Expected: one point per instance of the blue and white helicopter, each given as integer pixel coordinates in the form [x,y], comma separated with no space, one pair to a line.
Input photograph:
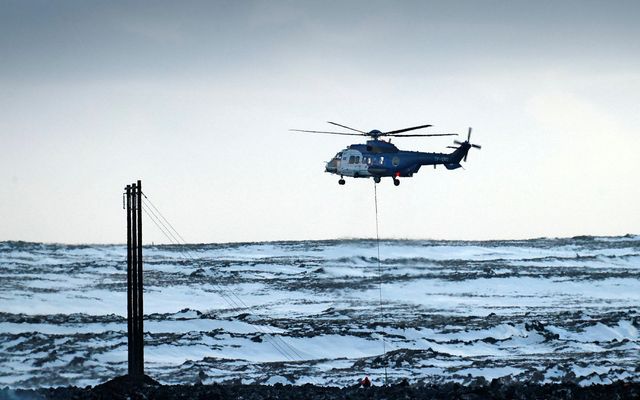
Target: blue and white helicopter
[378,158]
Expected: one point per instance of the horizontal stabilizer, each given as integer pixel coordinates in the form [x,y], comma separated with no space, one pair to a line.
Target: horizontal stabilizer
[453,166]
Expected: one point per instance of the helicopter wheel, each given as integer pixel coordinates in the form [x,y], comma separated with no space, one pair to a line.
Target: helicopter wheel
[396,181]
[341,182]
[376,179]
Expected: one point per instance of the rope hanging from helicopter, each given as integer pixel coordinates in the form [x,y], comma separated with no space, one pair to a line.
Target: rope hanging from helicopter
[287,350]
[384,344]
[378,158]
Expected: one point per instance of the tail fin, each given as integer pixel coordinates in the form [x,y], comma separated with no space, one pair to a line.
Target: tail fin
[459,154]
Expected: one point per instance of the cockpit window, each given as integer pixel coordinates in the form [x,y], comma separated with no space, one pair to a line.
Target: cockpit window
[352,159]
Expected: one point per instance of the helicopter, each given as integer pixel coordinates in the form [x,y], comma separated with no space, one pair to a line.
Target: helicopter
[378,158]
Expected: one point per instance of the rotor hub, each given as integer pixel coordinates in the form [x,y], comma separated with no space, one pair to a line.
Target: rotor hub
[375,133]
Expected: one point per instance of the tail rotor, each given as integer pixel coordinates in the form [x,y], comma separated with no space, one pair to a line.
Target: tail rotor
[466,143]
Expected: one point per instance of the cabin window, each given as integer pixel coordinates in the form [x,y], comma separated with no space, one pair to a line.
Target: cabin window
[381,160]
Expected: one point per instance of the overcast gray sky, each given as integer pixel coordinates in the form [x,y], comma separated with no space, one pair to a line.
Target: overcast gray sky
[196,99]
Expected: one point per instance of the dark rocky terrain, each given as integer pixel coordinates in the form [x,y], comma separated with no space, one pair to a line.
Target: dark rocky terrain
[123,388]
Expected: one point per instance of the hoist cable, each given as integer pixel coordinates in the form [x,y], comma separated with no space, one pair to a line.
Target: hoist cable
[384,345]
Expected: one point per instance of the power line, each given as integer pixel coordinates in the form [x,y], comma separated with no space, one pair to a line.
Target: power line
[228,296]
[155,208]
[275,340]
[161,227]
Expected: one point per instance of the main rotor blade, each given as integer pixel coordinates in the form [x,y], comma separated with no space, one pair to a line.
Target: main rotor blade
[431,134]
[328,133]
[477,146]
[344,126]
[407,129]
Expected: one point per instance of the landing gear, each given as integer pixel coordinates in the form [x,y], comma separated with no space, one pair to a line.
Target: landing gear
[376,179]
[341,181]
[396,181]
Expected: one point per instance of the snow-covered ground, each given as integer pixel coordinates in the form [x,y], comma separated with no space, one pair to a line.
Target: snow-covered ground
[298,312]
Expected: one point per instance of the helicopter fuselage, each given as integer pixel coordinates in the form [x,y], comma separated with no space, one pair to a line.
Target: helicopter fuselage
[378,158]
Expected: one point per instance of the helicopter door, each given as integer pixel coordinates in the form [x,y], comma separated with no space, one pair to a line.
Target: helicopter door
[353,164]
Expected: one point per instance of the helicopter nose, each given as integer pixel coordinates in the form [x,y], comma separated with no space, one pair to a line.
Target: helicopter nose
[331,166]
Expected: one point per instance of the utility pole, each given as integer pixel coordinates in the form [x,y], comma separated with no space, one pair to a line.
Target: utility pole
[135,313]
